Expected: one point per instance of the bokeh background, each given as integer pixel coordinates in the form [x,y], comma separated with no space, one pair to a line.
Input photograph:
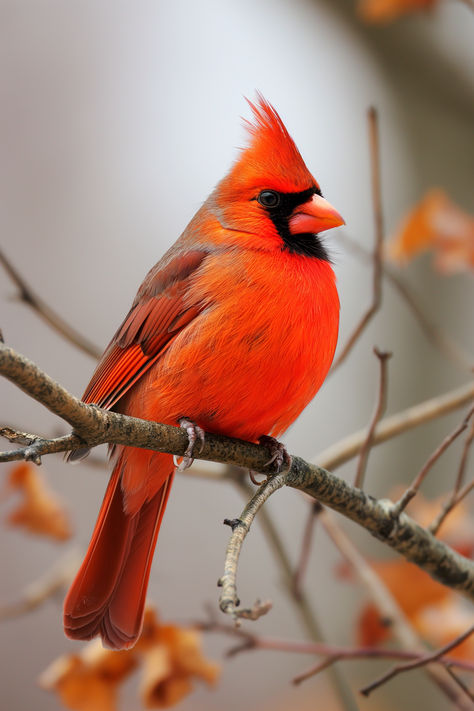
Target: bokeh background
[116,121]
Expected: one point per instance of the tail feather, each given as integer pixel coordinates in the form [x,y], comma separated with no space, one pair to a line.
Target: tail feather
[108,594]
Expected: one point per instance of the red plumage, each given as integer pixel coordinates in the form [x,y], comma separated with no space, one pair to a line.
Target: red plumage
[235,328]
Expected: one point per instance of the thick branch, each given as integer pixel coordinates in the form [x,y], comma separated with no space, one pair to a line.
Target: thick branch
[400,533]
[94,426]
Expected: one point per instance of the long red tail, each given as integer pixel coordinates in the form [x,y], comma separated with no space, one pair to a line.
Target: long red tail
[108,594]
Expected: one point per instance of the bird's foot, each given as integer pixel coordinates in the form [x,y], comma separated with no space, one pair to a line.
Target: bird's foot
[194,433]
[280,457]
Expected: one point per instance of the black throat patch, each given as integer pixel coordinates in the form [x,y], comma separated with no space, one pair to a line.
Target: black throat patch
[307,244]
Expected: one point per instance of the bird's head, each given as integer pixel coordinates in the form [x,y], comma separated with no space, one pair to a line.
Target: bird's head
[269,192]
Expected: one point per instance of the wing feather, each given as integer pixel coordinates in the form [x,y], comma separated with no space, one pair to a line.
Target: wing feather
[158,314]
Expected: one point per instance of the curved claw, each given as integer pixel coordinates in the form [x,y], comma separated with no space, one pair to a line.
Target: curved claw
[194,433]
[254,480]
[279,454]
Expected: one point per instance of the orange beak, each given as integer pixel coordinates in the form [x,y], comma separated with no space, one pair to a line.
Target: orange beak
[314,216]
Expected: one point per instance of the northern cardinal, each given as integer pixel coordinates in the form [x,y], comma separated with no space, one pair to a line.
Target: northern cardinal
[234,329]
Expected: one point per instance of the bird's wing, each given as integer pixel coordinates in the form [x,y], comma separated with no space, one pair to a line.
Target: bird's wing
[158,314]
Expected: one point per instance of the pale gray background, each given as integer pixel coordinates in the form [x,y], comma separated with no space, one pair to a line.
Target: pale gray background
[116,120]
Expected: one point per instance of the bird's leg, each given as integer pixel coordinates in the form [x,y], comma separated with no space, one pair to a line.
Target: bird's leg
[194,432]
[280,456]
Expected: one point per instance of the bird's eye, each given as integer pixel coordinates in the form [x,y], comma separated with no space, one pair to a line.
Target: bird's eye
[269,198]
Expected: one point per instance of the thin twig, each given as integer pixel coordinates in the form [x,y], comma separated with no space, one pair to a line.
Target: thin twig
[347,448]
[414,487]
[383,357]
[416,663]
[48,586]
[457,680]
[378,244]
[302,602]
[435,334]
[314,509]
[389,608]
[456,495]
[17,437]
[28,296]
[229,601]
[252,642]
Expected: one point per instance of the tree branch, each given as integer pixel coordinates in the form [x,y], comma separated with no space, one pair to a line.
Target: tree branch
[28,296]
[383,357]
[412,490]
[95,426]
[376,302]
[347,448]
[434,656]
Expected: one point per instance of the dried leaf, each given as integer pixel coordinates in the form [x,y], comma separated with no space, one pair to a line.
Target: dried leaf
[88,681]
[170,664]
[436,223]
[421,598]
[41,511]
[387,10]
[412,588]
[170,658]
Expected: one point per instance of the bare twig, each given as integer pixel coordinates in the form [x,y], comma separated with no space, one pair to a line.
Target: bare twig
[389,608]
[48,586]
[460,683]
[416,663]
[228,601]
[28,296]
[383,357]
[377,251]
[413,488]
[302,601]
[252,642]
[456,495]
[438,337]
[18,437]
[314,509]
[96,426]
[344,654]
[376,588]
[347,448]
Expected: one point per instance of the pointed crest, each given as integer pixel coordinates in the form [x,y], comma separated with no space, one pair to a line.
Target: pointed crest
[271,158]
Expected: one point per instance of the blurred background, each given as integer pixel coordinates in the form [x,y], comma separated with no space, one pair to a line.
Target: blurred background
[116,121]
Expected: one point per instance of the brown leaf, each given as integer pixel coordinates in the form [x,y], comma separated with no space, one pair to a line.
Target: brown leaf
[412,588]
[421,598]
[376,11]
[170,658]
[41,511]
[438,224]
[171,663]
[88,681]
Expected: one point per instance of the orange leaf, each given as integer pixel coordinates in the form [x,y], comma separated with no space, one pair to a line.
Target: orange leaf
[420,597]
[88,681]
[436,223]
[171,662]
[40,511]
[388,10]
[412,588]
[170,658]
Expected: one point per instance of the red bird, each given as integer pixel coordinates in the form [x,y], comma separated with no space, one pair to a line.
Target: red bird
[234,329]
